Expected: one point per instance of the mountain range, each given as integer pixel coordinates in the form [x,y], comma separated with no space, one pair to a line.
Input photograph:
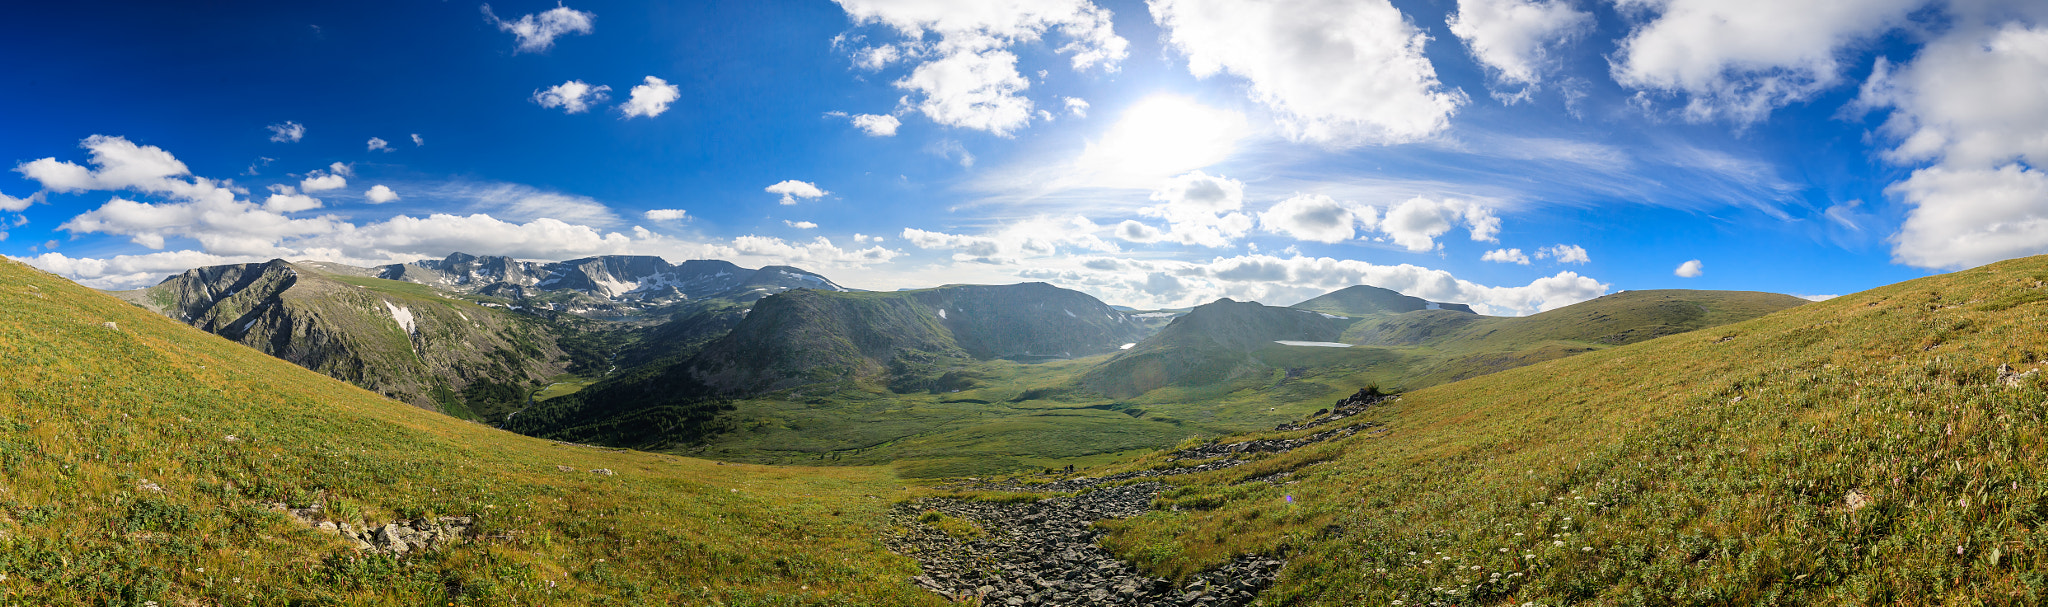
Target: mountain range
[608,285]
[1880,447]
[708,356]
[451,355]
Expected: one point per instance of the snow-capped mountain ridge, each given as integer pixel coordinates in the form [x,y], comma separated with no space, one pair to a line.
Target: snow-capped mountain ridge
[605,284]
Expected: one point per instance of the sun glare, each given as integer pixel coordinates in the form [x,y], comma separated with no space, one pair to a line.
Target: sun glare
[1159,137]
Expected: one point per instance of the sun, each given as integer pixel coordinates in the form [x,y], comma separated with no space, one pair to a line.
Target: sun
[1159,137]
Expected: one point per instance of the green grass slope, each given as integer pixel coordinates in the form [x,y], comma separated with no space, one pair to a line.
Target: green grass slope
[1887,447]
[1465,345]
[399,339]
[134,459]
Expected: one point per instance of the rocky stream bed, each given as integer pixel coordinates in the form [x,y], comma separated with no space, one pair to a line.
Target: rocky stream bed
[1044,551]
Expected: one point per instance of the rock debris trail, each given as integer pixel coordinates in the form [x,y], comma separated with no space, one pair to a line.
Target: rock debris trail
[1044,552]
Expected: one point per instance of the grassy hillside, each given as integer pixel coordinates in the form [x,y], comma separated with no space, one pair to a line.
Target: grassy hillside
[135,459]
[1886,447]
[1399,342]
[400,339]
[1460,346]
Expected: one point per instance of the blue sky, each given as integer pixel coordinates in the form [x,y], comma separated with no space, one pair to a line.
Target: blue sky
[1516,154]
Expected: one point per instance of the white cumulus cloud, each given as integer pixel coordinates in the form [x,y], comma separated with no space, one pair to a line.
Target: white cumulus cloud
[1565,253]
[574,96]
[1505,256]
[801,225]
[537,33]
[1415,223]
[1286,280]
[1201,209]
[965,74]
[1136,231]
[1689,269]
[378,143]
[1077,107]
[818,252]
[650,99]
[129,271]
[1966,217]
[666,214]
[1340,73]
[283,199]
[1318,218]
[11,204]
[1514,38]
[379,194]
[1740,59]
[973,90]
[229,229]
[875,125]
[118,164]
[792,189]
[321,182]
[417,141]
[287,132]
[1985,197]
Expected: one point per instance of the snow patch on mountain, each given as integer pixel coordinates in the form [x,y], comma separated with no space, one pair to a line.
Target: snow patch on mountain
[403,317]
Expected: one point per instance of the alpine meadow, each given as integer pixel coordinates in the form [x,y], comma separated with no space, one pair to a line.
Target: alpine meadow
[1129,303]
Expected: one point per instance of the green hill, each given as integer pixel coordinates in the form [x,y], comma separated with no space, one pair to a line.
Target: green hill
[883,351]
[1886,447]
[1396,341]
[1209,345]
[907,339]
[1470,345]
[398,339]
[137,455]
[1365,300]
